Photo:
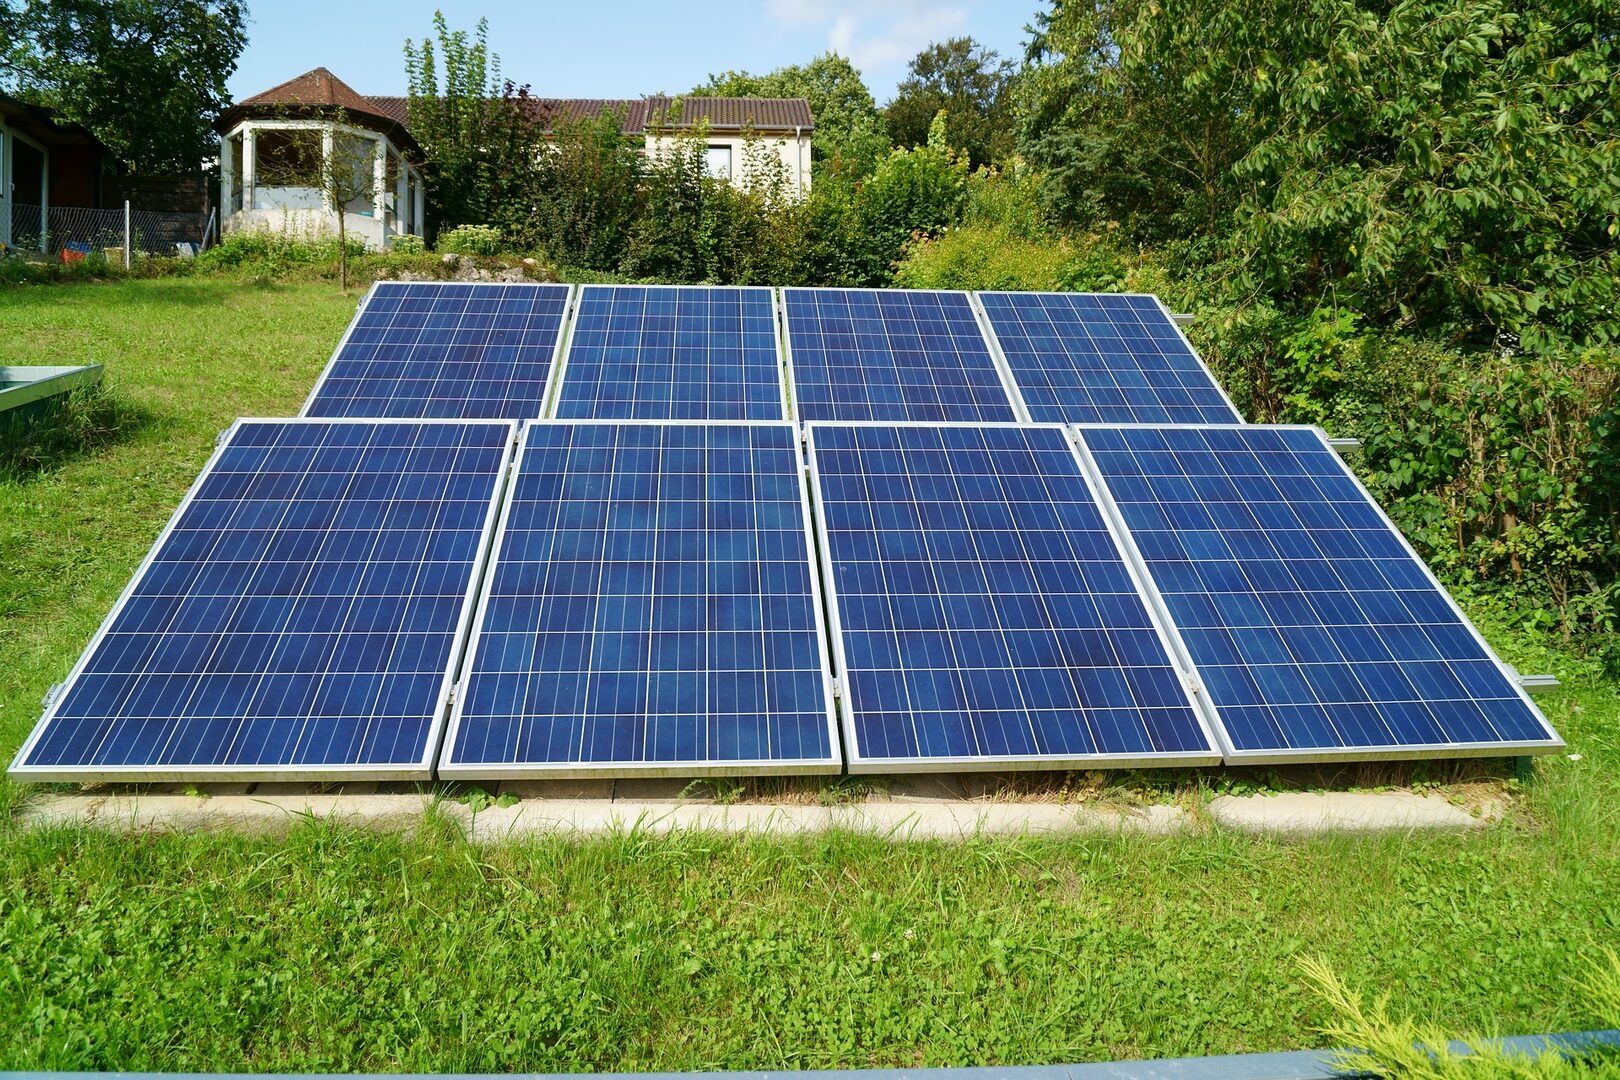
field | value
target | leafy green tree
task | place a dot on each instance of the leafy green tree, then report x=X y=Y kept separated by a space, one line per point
x=849 y=134
x=477 y=130
x=913 y=194
x=1137 y=111
x=1428 y=162
x=1447 y=163
x=971 y=85
x=581 y=200
x=146 y=77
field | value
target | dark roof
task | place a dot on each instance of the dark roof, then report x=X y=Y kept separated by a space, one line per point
x=320 y=89
x=39 y=124
x=731 y=113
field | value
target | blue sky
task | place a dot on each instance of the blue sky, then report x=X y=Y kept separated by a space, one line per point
x=603 y=48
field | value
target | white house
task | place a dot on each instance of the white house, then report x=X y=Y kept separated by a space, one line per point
x=276 y=144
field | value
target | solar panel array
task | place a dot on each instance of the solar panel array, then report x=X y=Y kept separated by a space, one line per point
x=437 y=349
x=1090 y=359
x=300 y=615
x=985 y=612
x=652 y=605
x=373 y=590
x=672 y=353
x=890 y=354
x=1312 y=625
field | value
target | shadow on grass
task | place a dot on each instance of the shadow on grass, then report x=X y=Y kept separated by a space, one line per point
x=65 y=429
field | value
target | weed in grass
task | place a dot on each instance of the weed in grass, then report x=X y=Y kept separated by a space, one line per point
x=1399 y=1047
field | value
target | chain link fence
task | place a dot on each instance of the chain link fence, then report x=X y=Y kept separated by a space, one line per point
x=70 y=233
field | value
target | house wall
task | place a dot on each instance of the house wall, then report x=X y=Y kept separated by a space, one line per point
x=793 y=152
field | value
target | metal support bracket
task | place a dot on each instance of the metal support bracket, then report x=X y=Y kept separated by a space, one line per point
x=1532 y=683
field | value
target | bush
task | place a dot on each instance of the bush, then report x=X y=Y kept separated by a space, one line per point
x=471 y=240
x=913 y=194
x=584 y=199
x=407 y=245
x=270 y=252
x=998 y=257
x=983 y=257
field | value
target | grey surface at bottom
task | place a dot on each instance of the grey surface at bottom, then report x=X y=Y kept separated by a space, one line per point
x=1289 y=1065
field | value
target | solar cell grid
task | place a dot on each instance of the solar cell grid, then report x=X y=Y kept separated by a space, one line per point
x=1315 y=629
x=890 y=354
x=1102 y=358
x=672 y=353
x=652 y=608
x=983 y=612
x=443 y=349
x=299 y=615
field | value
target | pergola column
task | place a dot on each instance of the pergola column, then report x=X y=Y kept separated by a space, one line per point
x=250 y=161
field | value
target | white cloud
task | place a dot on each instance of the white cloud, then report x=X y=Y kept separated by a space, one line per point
x=878 y=36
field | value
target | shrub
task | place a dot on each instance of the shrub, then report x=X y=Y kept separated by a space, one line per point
x=983 y=257
x=583 y=200
x=471 y=240
x=271 y=252
x=913 y=193
x=407 y=245
x=1008 y=198
x=998 y=257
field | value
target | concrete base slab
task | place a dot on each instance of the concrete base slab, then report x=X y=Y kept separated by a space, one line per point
x=896 y=821
x=1344 y=810
x=255 y=814
x=597 y=808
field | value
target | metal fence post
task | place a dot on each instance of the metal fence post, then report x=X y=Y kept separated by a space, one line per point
x=127 y=237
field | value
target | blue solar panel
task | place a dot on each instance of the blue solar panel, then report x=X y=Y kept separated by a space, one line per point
x=652 y=608
x=437 y=349
x=984 y=612
x=1103 y=358
x=891 y=354
x=672 y=353
x=299 y=616
x=1315 y=629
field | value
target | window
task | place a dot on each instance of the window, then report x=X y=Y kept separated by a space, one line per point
x=717 y=162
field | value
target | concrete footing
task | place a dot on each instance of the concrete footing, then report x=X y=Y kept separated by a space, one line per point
x=911 y=816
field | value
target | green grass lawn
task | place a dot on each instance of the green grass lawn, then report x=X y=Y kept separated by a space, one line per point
x=343 y=950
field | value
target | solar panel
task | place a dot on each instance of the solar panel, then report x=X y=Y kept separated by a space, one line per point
x=299 y=616
x=1103 y=358
x=984 y=614
x=1317 y=632
x=672 y=353
x=652 y=609
x=445 y=349
x=890 y=354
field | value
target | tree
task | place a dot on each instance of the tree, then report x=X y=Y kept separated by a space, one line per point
x=581 y=201
x=329 y=155
x=474 y=128
x=1446 y=164
x=971 y=85
x=146 y=77
x=849 y=135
